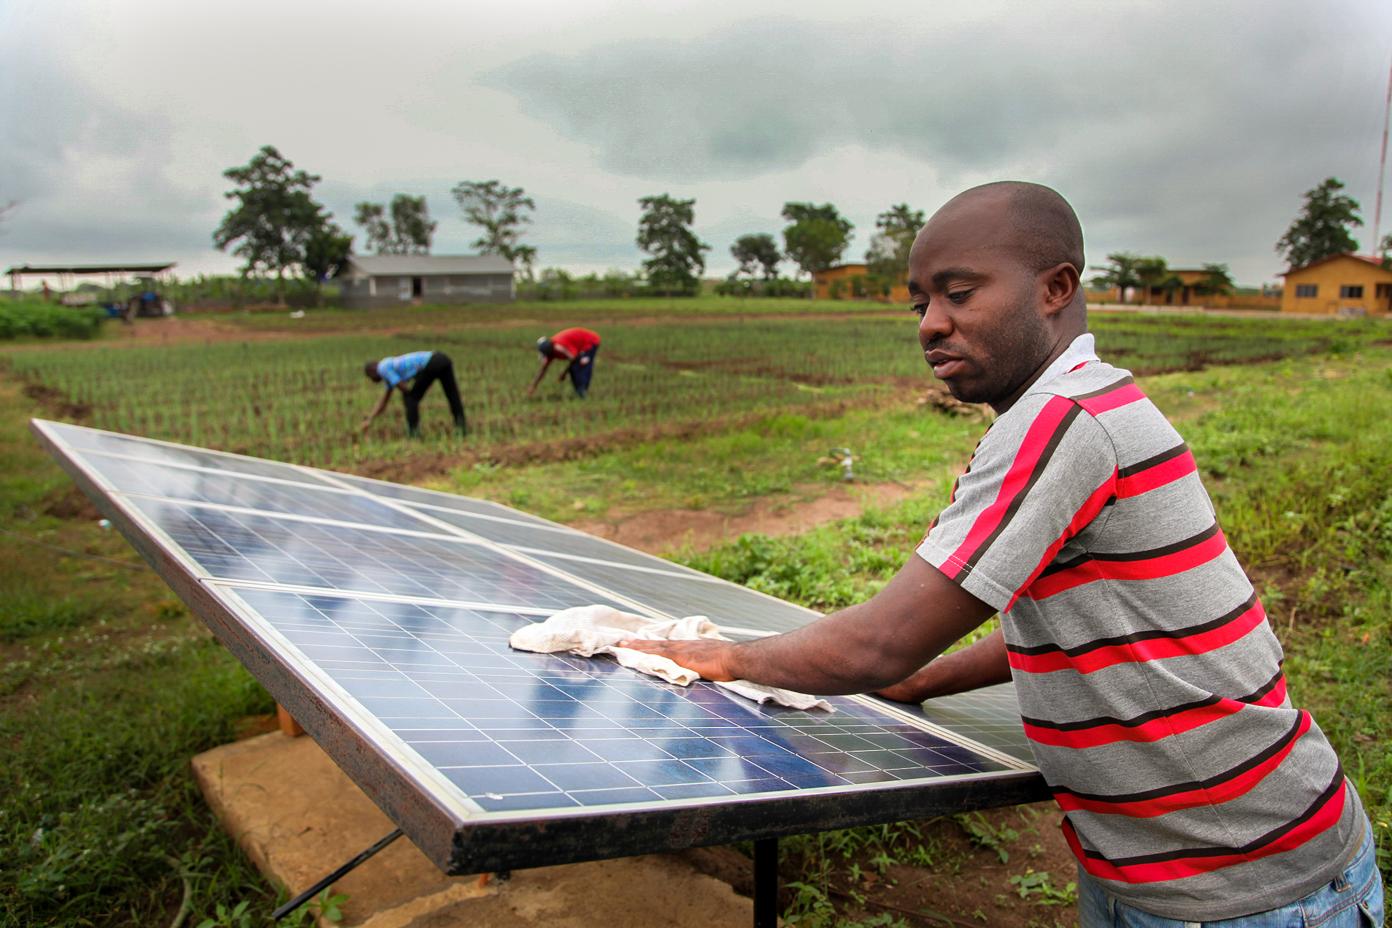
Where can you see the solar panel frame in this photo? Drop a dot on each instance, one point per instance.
(464, 843)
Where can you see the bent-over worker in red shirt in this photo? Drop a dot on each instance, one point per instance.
(576, 346)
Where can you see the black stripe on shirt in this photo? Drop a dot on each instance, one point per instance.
(1144, 717)
(1134, 637)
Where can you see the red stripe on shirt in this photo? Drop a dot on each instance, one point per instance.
(1113, 399)
(1324, 818)
(1150, 649)
(1155, 729)
(1085, 514)
(1027, 459)
(1157, 476)
(1165, 565)
(1201, 795)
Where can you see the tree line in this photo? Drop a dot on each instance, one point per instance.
(277, 228)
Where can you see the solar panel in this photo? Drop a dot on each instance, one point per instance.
(379, 616)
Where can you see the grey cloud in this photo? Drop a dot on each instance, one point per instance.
(1191, 126)
(90, 176)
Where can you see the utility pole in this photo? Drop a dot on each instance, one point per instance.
(1382, 165)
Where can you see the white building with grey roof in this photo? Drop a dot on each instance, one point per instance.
(392, 280)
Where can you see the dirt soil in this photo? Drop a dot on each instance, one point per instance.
(661, 531)
(966, 884)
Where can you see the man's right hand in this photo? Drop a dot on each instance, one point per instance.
(710, 658)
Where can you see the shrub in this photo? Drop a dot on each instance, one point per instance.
(38, 319)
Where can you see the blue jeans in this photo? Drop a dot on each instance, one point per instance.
(581, 370)
(1352, 900)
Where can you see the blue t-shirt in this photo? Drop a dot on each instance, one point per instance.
(402, 367)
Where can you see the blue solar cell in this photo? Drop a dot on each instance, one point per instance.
(535, 731)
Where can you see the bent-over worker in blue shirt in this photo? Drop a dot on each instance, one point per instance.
(413, 374)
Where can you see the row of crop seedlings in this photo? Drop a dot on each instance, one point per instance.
(300, 400)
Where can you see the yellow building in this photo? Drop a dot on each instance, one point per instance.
(1344, 285)
(852, 282)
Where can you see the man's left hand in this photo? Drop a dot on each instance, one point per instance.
(711, 659)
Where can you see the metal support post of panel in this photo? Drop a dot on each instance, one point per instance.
(333, 878)
(766, 883)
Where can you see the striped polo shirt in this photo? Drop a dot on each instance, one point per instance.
(1149, 679)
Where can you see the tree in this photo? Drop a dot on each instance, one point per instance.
(403, 228)
(275, 215)
(816, 235)
(1153, 273)
(502, 212)
(1119, 272)
(664, 231)
(326, 250)
(1385, 249)
(1217, 280)
(1322, 228)
(757, 251)
(888, 256)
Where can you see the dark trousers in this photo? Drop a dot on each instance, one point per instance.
(580, 374)
(440, 368)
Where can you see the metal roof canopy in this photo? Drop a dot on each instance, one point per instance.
(90, 268)
(285, 525)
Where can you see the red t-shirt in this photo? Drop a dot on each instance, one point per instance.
(576, 341)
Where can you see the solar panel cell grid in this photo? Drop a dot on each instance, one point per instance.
(537, 538)
(416, 495)
(387, 634)
(159, 453)
(516, 731)
(250, 493)
(241, 546)
(989, 716)
(724, 603)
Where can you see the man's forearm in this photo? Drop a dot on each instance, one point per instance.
(830, 656)
(540, 374)
(983, 663)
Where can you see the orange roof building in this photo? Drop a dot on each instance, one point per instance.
(1340, 285)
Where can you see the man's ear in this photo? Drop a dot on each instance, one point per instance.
(1060, 284)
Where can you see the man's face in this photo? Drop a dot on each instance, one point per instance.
(981, 324)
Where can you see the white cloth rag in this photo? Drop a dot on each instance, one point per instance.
(591, 630)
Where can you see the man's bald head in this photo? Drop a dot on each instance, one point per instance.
(994, 277)
(1040, 227)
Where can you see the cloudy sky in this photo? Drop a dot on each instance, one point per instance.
(1186, 129)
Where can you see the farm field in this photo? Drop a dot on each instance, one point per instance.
(108, 685)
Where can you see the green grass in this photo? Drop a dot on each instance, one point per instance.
(784, 455)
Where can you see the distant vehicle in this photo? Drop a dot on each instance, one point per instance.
(148, 303)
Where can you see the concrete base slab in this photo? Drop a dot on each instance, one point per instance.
(297, 816)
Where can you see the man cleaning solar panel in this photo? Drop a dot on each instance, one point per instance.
(577, 347)
(1148, 677)
(413, 374)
